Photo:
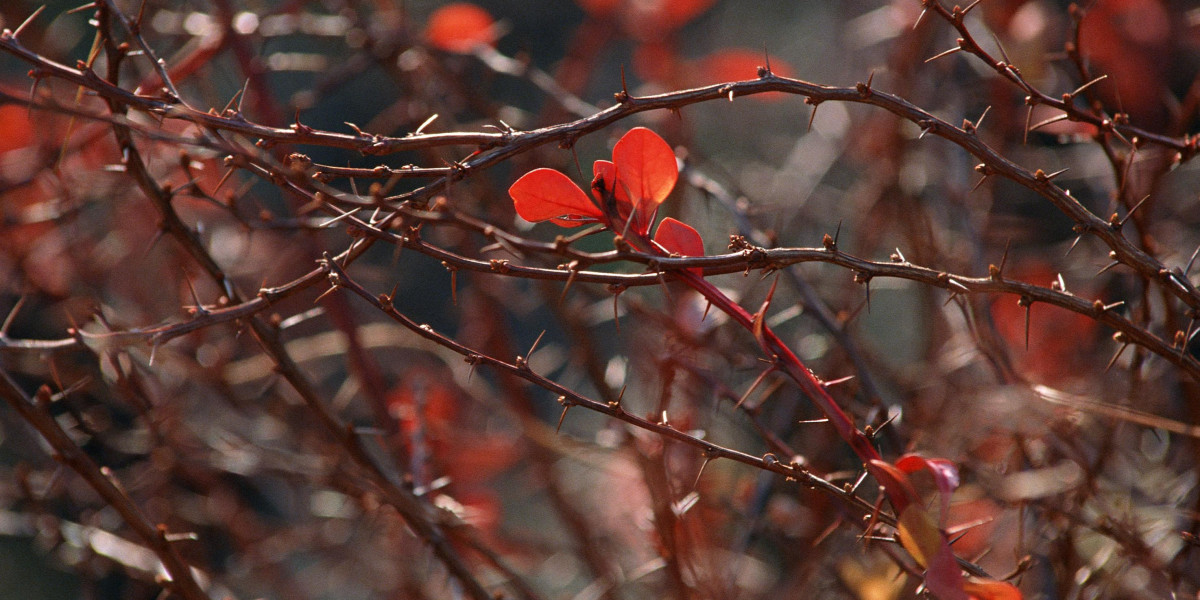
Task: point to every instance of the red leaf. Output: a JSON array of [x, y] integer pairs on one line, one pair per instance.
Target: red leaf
[[677, 12], [17, 128], [646, 167], [680, 238], [604, 177], [733, 64], [459, 27], [545, 194], [990, 589]]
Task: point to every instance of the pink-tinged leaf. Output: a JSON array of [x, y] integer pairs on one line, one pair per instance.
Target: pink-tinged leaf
[[900, 491], [459, 27], [990, 589], [677, 237], [945, 476], [943, 577], [646, 167], [546, 194]]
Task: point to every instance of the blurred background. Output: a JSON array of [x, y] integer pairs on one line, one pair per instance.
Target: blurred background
[[1078, 462]]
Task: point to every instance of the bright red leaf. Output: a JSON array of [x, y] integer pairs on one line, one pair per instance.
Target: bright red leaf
[[627, 190], [459, 27], [545, 194], [646, 167]]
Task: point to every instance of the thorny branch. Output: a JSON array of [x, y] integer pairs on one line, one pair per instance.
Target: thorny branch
[[401, 219]]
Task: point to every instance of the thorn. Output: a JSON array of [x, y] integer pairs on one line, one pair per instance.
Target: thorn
[[1046, 122], [1191, 261], [969, 8], [861, 477], [981, 117], [425, 124], [942, 54], [1112, 361], [753, 386], [16, 34], [1051, 176], [696, 483], [12, 316], [1007, 60], [1004, 257], [1108, 266], [920, 17], [332, 289], [341, 216], [1028, 304], [813, 115], [1080, 89], [812, 421], [978, 183], [195, 297], [829, 384], [1073, 244], [529, 355], [1028, 118], [562, 416], [663, 282], [1132, 210], [574, 270], [837, 232], [887, 422], [81, 8]]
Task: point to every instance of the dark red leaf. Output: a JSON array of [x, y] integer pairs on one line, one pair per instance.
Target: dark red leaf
[[680, 238]]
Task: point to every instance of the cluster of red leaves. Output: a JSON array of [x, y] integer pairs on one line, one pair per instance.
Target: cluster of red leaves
[[626, 194]]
